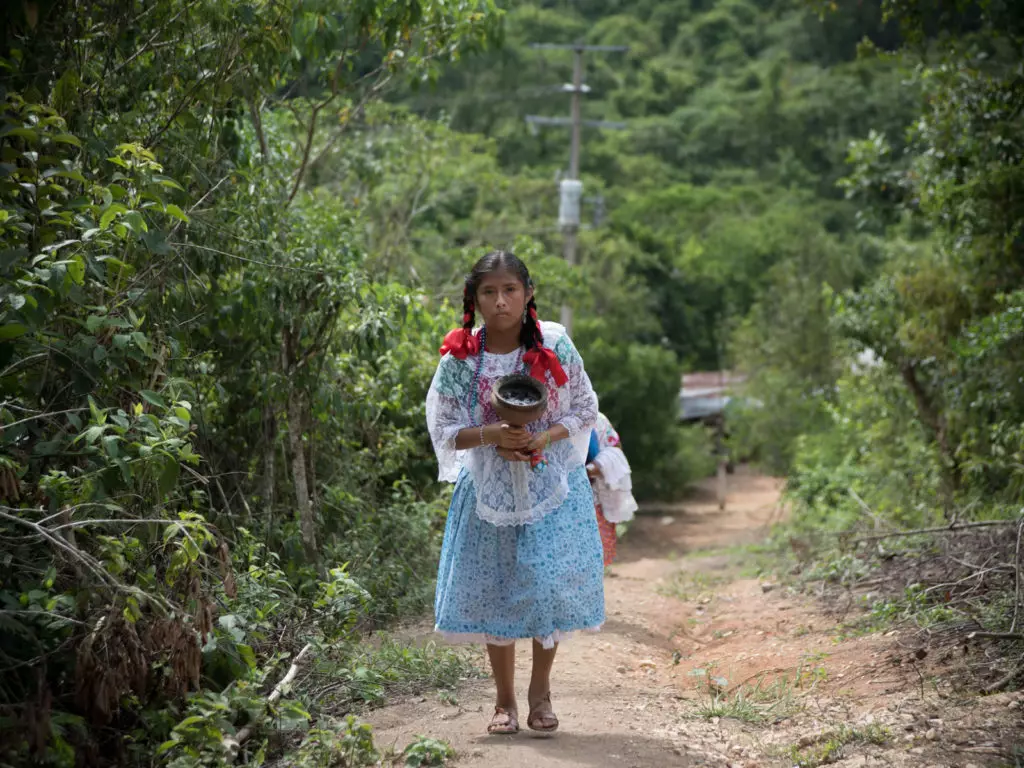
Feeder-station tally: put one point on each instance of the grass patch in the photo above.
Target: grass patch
(832, 745)
(372, 674)
(885, 613)
(764, 699)
(349, 743)
(691, 586)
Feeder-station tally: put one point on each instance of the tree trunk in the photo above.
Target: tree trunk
(269, 449)
(935, 423)
(303, 504)
(314, 490)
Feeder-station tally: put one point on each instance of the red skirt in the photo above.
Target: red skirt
(607, 536)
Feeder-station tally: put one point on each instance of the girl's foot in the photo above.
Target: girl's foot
(504, 722)
(542, 716)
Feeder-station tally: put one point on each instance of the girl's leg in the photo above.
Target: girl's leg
(542, 717)
(503, 667)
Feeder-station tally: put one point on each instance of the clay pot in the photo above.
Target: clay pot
(519, 399)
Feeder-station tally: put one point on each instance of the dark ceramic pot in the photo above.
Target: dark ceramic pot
(519, 399)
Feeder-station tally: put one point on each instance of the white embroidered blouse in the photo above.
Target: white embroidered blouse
(511, 492)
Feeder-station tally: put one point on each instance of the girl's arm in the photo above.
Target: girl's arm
(447, 415)
(582, 398)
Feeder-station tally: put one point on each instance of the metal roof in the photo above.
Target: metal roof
(707, 393)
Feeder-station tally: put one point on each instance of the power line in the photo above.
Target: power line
(542, 120)
(571, 189)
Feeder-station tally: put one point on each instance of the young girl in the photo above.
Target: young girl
(521, 556)
(613, 487)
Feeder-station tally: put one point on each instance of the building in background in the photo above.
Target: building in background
(705, 395)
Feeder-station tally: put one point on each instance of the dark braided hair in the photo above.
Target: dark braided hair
(530, 336)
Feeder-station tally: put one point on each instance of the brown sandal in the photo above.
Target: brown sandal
(504, 722)
(548, 717)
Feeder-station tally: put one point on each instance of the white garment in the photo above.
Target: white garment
(511, 492)
(614, 487)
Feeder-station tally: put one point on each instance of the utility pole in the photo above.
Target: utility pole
(571, 188)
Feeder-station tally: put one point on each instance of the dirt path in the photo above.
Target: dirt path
(699, 663)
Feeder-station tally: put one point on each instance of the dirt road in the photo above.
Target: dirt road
(702, 664)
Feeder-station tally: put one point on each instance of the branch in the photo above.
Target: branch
(247, 260)
(377, 87)
(11, 368)
(305, 152)
(257, 122)
(101, 573)
(941, 529)
(932, 419)
(311, 132)
(146, 46)
(864, 506)
(1003, 680)
(107, 579)
(327, 323)
(44, 415)
(234, 745)
(996, 636)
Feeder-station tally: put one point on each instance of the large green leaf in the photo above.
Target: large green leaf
(12, 331)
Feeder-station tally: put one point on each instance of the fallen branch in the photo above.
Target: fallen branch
(996, 635)
(939, 529)
(234, 745)
(1003, 680)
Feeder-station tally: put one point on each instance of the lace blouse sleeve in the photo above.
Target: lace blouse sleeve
(582, 413)
(447, 414)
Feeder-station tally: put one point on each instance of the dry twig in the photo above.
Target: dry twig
(939, 529)
(234, 746)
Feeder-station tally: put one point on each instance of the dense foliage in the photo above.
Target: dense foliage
(213, 449)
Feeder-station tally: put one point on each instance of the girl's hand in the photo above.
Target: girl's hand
(506, 436)
(511, 455)
(593, 471)
(539, 442)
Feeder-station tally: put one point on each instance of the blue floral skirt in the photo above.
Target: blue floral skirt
(496, 584)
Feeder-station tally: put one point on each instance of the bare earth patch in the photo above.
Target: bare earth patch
(700, 663)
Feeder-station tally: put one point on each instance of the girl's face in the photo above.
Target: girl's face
(501, 298)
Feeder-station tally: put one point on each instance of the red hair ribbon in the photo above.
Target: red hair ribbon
(541, 359)
(461, 343)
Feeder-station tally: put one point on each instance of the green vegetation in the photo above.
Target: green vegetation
(691, 586)
(830, 746)
(230, 238)
(766, 698)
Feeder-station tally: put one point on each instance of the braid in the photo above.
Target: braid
(468, 308)
(530, 336)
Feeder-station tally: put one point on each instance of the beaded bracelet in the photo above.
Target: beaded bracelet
(482, 443)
